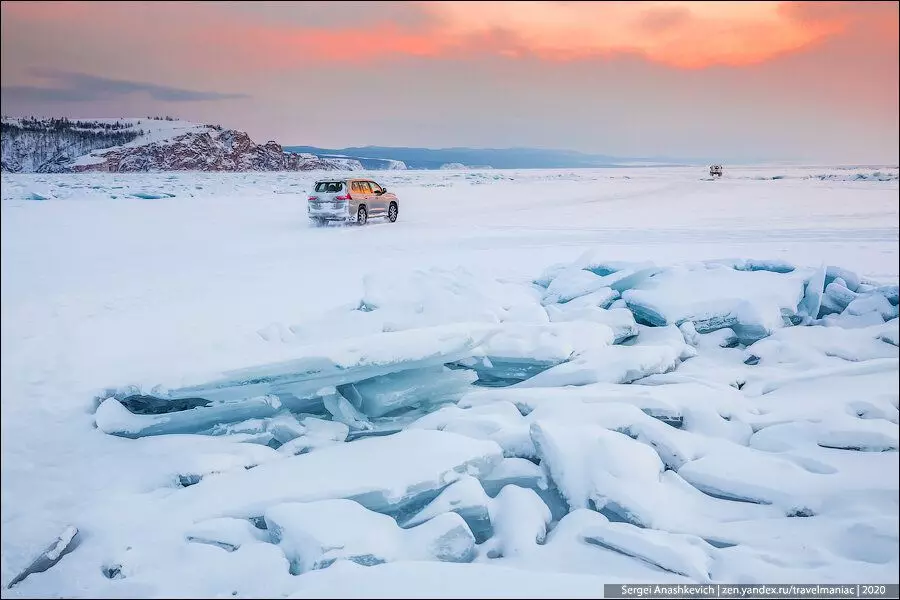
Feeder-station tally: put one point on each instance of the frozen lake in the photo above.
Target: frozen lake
(117, 279)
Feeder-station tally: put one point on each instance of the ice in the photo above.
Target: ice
(669, 336)
(296, 383)
(626, 479)
(514, 471)
(572, 283)
(466, 498)
(838, 432)
(601, 298)
(752, 303)
(313, 535)
(499, 421)
(520, 351)
(850, 279)
(612, 364)
(620, 320)
(383, 473)
(890, 332)
(520, 519)
(567, 542)
(226, 533)
(654, 401)
(682, 554)
(627, 279)
(388, 393)
(317, 433)
(113, 418)
(891, 292)
(65, 543)
(774, 265)
(872, 303)
(848, 321)
(817, 346)
(196, 328)
(812, 296)
(837, 297)
(550, 273)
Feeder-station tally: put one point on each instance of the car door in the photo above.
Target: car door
(378, 197)
(371, 199)
(360, 196)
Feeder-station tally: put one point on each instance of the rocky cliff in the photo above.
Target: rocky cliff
(134, 145)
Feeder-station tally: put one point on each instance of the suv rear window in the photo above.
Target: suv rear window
(328, 187)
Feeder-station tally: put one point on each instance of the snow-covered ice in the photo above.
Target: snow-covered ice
(532, 384)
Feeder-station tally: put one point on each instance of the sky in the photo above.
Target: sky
(800, 81)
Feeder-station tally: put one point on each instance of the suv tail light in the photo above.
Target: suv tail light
(311, 198)
(344, 197)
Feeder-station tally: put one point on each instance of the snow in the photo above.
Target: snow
(561, 378)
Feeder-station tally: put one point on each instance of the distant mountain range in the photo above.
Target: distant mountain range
(385, 157)
(43, 145)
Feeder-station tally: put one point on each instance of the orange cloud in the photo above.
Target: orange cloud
(679, 34)
(686, 34)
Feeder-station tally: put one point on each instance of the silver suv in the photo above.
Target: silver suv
(350, 201)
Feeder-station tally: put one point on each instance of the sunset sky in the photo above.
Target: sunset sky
(815, 82)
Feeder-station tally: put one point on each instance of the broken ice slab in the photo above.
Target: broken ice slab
(113, 418)
(752, 303)
(836, 298)
(226, 533)
(318, 433)
(652, 401)
(519, 351)
(466, 498)
(514, 471)
(839, 432)
(812, 295)
(387, 474)
(385, 394)
(872, 303)
(602, 298)
(498, 372)
(572, 283)
(519, 519)
(627, 279)
(64, 544)
(626, 480)
(848, 321)
(818, 346)
(313, 535)
(141, 404)
(773, 265)
(891, 292)
(344, 411)
(296, 383)
(500, 422)
(683, 554)
(670, 336)
(850, 279)
(620, 320)
(611, 364)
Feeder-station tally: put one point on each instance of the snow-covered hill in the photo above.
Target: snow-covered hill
(149, 144)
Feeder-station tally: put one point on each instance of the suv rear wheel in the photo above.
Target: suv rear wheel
(362, 216)
(392, 212)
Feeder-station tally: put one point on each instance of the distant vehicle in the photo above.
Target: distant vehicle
(350, 201)
(716, 170)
